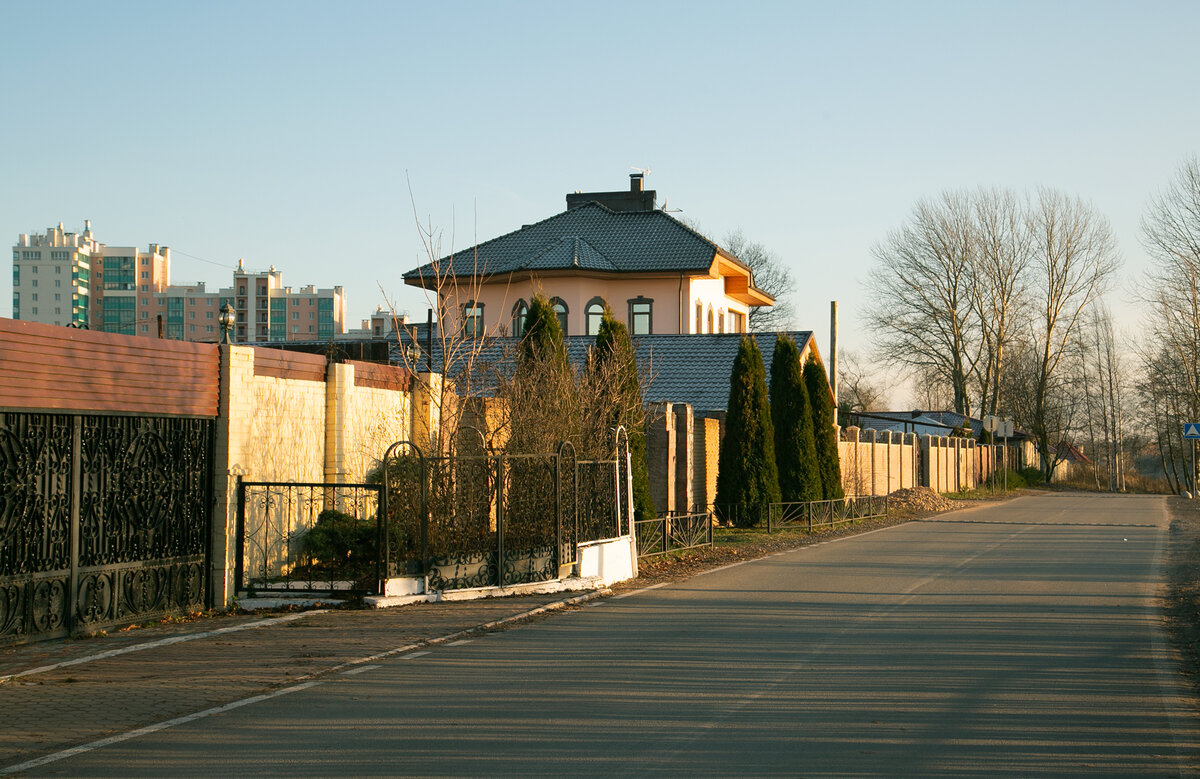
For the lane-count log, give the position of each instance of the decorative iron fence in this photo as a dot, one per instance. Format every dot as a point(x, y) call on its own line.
point(494, 519)
point(673, 533)
point(818, 513)
point(104, 520)
point(308, 537)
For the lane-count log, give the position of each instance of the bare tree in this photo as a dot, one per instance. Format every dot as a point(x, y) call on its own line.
point(771, 276)
point(1171, 234)
point(858, 390)
point(454, 379)
point(921, 294)
point(1074, 260)
point(999, 284)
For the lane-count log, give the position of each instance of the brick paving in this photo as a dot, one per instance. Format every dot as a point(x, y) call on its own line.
point(56, 709)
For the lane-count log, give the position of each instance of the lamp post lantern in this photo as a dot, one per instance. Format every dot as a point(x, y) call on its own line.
point(226, 318)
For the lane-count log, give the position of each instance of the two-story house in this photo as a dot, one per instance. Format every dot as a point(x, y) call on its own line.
point(608, 248)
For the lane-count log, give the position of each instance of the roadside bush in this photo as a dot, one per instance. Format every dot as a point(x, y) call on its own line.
point(340, 537)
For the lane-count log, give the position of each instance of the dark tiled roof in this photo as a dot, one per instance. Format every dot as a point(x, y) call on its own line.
point(590, 237)
point(691, 369)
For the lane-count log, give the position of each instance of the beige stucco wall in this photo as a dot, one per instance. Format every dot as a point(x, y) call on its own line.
point(881, 463)
point(577, 291)
point(361, 423)
point(277, 429)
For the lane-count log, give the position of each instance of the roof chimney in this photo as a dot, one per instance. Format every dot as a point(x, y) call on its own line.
point(635, 182)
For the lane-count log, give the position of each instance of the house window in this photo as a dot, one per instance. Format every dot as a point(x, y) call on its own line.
point(473, 319)
point(641, 320)
point(699, 317)
point(721, 320)
point(594, 313)
point(737, 322)
point(560, 313)
point(712, 326)
point(519, 313)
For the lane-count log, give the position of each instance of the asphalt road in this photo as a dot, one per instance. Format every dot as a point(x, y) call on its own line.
point(1018, 639)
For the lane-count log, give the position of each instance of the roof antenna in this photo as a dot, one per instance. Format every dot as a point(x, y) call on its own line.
point(666, 210)
point(643, 171)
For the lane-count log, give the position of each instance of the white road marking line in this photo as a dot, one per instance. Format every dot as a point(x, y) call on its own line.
point(360, 669)
point(104, 742)
point(257, 698)
point(411, 655)
point(460, 642)
point(162, 642)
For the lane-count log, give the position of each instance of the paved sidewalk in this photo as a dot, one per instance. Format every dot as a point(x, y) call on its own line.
point(224, 659)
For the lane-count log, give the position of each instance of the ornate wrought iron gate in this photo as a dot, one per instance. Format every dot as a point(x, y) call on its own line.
point(495, 519)
point(104, 520)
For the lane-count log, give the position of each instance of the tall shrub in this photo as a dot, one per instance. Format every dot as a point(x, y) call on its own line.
point(747, 479)
point(824, 433)
point(791, 413)
point(614, 368)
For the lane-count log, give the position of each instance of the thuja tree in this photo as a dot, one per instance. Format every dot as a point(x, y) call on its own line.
point(824, 433)
point(791, 413)
point(747, 479)
point(540, 399)
point(614, 378)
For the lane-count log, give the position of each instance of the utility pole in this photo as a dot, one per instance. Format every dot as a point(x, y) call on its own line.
point(833, 356)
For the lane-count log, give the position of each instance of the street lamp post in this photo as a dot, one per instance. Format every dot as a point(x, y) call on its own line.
point(226, 319)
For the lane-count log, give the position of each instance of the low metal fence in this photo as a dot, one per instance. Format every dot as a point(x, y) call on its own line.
point(827, 513)
point(308, 537)
point(673, 533)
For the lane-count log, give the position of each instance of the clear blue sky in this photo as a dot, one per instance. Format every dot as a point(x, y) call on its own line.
point(283, 132)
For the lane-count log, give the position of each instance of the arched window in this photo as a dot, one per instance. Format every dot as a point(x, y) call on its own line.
point(721, 320)
point(519, 313)
point(699, 317)
point(594, 314)
point(560, 313)
point(473, 319)
point(712, 326)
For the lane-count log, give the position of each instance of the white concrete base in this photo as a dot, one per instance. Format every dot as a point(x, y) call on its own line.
point(402, 586)
point(610, 561)
point(601, 563)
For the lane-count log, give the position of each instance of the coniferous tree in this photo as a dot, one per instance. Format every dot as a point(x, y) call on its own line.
point(747, 479)
point(543, 411)
point(795, 449)
point(616, 366)
point(824, 433)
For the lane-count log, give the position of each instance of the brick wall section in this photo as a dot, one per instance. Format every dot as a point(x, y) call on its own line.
point(706, 448)
point(660, 455)
point(683, 458)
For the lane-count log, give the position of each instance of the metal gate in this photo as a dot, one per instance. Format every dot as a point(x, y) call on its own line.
point(307, 537)
point(104, 520)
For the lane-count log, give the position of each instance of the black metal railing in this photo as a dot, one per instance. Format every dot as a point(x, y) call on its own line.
point(825, 513)
point(673, 533)
point(494, 519)
point(308, 537)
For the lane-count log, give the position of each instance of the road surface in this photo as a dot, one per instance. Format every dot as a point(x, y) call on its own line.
point(1022, 638)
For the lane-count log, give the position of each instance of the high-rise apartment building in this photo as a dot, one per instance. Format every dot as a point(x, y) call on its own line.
point(52, 277)
point(123, 289)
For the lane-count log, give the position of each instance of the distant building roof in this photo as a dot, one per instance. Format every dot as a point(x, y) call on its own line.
point(936, 423)
point(692, 369)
